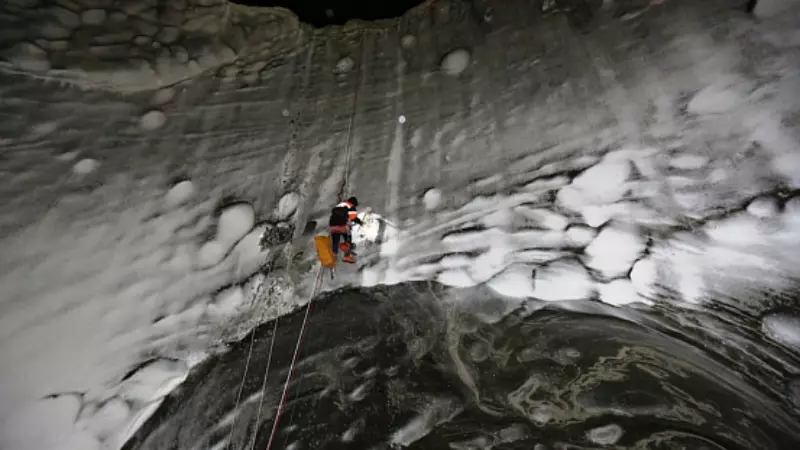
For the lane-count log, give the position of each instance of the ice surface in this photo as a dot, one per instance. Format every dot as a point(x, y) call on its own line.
point(122, 265)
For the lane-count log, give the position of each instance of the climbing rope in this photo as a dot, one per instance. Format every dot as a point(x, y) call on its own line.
point(318, 282)
point(282, 402)
point(315, 291)
point(247, 367)
point(241, 387)
point(264, 381)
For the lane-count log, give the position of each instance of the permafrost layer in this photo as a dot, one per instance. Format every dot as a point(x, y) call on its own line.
point(617, 154)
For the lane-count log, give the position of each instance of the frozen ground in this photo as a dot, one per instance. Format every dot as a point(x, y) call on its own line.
point(658, 155)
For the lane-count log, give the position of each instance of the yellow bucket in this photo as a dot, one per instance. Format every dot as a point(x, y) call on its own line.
point(325, 251)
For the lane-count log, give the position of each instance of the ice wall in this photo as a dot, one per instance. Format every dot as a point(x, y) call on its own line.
point(146, 149)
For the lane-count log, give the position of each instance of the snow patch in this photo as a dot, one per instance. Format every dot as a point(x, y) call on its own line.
point(455, 62)
point(455, 278)
point(108, 419)
point(562, 280)
point(783, 329)
point(688, 161)
point(23, 429)
point(514, 282)
point(287, 205)
point(432, 199)
point(580, 236)
point(614, 250)
point(344, 65)
point(154, 381)
point(210, 254)
point(763, 207)
point(643, 276)
point(152, 120)
point(408, 41)
point(234, 222)
point(179, 194)
point(67, 156)
point(618, 292)
point(717, 98)
point(228, 302)
point(162, 96)
point(605, 435)
point(85, 166)
point(93, 17)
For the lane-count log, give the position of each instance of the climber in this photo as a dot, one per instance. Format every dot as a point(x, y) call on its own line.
point(341, 216)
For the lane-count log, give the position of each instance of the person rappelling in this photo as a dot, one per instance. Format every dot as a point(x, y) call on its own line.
point(342, 215)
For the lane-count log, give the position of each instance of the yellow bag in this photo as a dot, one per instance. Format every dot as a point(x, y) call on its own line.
point(325, 251)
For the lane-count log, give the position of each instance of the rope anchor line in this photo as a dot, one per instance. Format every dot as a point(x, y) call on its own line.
point(315, 291)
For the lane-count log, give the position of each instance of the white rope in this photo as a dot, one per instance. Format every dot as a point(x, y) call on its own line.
point(289, 374)
point(264, 382)
point(247, 365)
point(314, 292)
point(241, 388)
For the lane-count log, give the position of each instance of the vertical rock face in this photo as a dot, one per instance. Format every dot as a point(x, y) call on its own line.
point(252, 105)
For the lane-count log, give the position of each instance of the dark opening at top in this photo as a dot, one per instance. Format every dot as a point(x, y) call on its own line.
point(320, 13)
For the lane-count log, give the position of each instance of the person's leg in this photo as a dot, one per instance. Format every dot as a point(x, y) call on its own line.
point(335, 238)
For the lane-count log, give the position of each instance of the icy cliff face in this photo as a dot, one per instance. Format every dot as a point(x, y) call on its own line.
point(146, 151)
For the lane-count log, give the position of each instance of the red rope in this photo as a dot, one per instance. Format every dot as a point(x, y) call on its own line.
point(289, 375)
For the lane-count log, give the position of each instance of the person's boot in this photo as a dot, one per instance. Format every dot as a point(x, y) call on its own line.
point(349, 259)
point(345, 246)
